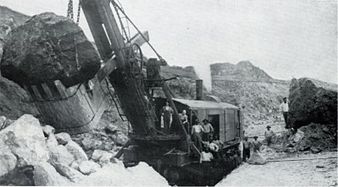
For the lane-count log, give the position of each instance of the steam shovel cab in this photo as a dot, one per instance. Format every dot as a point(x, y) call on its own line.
point(184, 167)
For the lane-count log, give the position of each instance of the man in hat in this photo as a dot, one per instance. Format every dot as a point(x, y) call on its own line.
point(284, 107)
point(268, 135)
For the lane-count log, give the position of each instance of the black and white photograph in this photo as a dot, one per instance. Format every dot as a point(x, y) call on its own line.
point(168, 93)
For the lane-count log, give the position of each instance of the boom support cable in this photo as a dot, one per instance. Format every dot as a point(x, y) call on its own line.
point(138, 30)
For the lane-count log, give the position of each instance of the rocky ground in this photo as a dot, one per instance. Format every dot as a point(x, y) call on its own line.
point(312, 172)
point(31, 154)
point(305, 158)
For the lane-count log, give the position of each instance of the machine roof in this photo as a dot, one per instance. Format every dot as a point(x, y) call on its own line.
point(198, 104)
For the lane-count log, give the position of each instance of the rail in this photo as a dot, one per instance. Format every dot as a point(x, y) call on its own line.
point(303, 159)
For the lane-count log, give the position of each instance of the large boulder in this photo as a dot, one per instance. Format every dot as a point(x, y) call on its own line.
point(312, 101)
point(48, 47)
point(25, 139)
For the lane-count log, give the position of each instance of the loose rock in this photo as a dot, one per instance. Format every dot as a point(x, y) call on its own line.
point(25, 139)
point(46, 175)
point(60, 155)
point(76, 151)
point(88, 167)
point(63, 138)
point(72, 174)
point(48, 130)
point(102, 157)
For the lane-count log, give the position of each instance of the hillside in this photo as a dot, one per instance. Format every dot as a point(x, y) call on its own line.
point(249, 87)
point(184, 86)
point(243, 70)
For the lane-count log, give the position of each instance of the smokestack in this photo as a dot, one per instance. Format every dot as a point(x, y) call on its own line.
point(199, 89)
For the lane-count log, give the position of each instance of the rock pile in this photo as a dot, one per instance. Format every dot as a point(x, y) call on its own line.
point(31, 154)
point(312, 101)
point(313, 137)
point(48, 47)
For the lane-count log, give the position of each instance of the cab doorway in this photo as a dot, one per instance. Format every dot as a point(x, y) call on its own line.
point(214, 120)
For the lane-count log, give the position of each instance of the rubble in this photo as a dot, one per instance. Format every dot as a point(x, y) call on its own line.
point(48, 47)
point(76, 151)
point(88, 167)
point(31, 155)
point(63, 138)
point(45, 174)
point(309, 138)
point(60, 154)
point(68, 172)
point(25, 139)
point(102, 157)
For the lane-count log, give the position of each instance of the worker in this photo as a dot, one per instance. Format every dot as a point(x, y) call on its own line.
point(196, 132)
point(268, 135)
point(255, 157)
point(167, 116)
point(255, 145)
point(184, 119)
point(206, 156)
point(208, 131)
point(284, 108)
point(246, 149)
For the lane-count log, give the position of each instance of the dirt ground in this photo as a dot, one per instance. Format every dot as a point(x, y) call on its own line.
point(314, 172)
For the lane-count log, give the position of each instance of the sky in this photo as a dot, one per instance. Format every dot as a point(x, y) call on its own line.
point(286, 38)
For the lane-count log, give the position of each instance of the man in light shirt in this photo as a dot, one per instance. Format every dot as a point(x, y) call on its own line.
point(284, 107)
point(196, 132)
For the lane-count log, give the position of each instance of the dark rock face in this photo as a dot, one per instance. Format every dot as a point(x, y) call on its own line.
point(14, 100)
point(312, 101)
point(46, 48)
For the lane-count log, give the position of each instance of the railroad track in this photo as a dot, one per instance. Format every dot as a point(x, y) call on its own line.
point(303, 159)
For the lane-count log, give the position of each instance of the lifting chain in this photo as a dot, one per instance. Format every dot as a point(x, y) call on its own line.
point(70, 13)
point(70, 9)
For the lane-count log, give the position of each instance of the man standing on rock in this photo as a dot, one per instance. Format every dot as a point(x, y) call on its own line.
point(284, 107)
